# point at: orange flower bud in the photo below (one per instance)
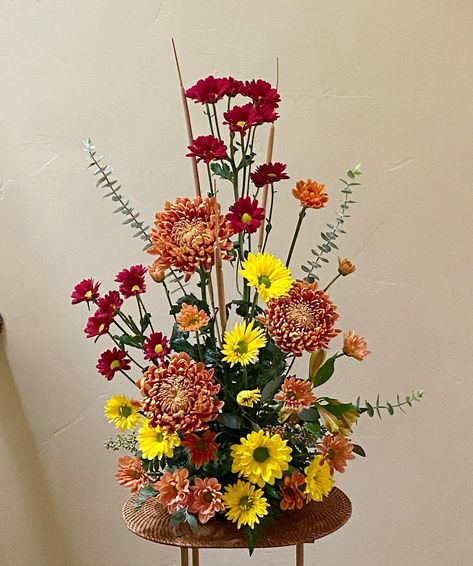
(156, 273)
(345, 266)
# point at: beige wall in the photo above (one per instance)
(387, 84)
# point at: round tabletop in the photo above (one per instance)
(315, 520)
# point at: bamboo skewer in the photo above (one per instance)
(264, 201)
(187, 118)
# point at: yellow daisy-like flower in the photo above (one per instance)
(156, 442)
(268, 274)
(123, 412)
(260, 457)
(245, 503)
(242, 344)
(247, 397)
(319, 480)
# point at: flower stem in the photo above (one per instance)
(214, 106)
(209, 174)
(270, 215)
(128, 377)
(140, 302)
(296, 234)
(332, 282)
(127, 352)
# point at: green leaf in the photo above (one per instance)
(178, 518)
(127, 340)
(230, 420)
(192, 522)
(389, 408)
(338, 409)
(309, 415)
(357, 449)
(253, 536)
(145, 493)
(271, 387)
(222, 170)
(179, 342)
(145, 322)
(314, 427)
(325, 372)
(369, 409)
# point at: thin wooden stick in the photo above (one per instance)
(219, 272)
(195, 557)
(187, 118)
(184, 556)
(299, 555)
(264, 201)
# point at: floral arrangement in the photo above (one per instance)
(218, 424)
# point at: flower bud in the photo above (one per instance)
(345, 266)
(156, 274)
(317, 358)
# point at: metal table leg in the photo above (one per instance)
(299, 555)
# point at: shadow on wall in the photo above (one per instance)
(29, 532)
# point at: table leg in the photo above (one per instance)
(299, 555)
(184, 556)
(195, 557)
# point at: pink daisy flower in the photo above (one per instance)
(86, 290)
(112, 361)
(109, 304)
(132, 281)
(355, 346)
(98, 324)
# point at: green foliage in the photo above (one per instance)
(334, 231)
(357, 449)
(325, 372)
(127, 340)
(179, 342)
(222, 170)
(144, 494)
(371, 408)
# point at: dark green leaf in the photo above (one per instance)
(222, 170)
(369, 409)
(127, 340)
(309, 415)
(145, 493)
(314, 427)
(230, 420)
(390, 408)
(357, 449)
(325, 372)
(145, 321)
(271, 387)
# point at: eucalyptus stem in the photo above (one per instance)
(302, 214)
(332, 282)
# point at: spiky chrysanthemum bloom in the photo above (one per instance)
(303, 320)
(245, 503)
(336, 450)
(180, 395)
(123, 412)
(190, 318)
(310, 194)
(155, 442)
(131, 474)
(260, 457)
(242, 344)
(295, 395)
(174, 489)
(206, 498)
(318, 480)
(355, 346)
(268, 274)
(184, 236)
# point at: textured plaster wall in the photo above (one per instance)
(387, 84)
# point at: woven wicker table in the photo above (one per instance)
(293, 528)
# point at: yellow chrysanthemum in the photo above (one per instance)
(156, 442)
(268, 274)
(247, 397)
(260, 457)
(319, 480)
(123, 412)
(242, 344)
(245, 503)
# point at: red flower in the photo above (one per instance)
(109, 304)
(86, 290)
(265, 114)
(132, 281)
(261, 92)
(240, 118)
(233, 87)
(202, 448)
(208, 91)
(245, 215)
(156, 346)
(98, 324)
(207, 148)
(269, 173)
(111, 361)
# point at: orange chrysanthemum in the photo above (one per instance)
(190, 318)
(130, 473)
(202, 448)
(206, 498)
(292, 496)
(180, 395)
(310, 194)
(184, 236)
(336, 450)
(355, 346)
(302, 320)
(295, 395)
(174, 489)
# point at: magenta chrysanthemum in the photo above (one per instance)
(87, 290)
(109, 304)
(208, 90)
(261, 92)
(156, 347)
(245, 215)
(132, 281)
(207, 149)
(241, 118)
(269, 173)
(112, 361)
(98, 324)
